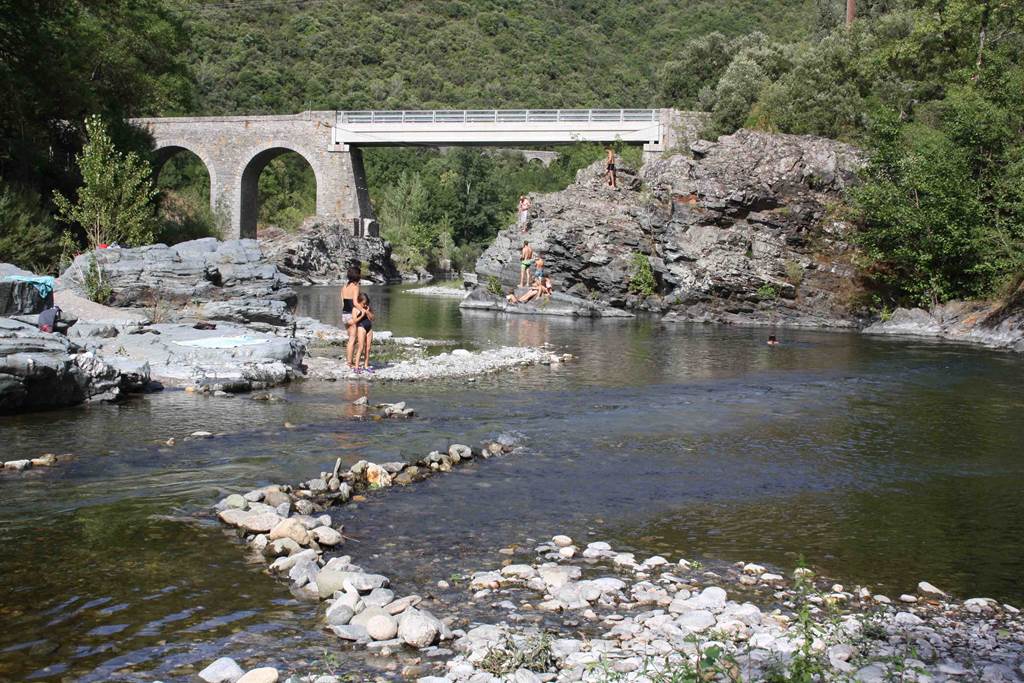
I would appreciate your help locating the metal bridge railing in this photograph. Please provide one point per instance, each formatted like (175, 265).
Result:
(463, 116)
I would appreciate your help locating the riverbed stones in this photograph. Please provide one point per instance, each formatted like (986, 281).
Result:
(555, 576)
(223, 670)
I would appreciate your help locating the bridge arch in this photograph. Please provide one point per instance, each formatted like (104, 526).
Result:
(255, 161)
(165, 149)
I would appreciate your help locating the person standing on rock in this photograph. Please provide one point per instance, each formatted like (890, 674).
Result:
(525, 261)
(524, 212)
(349, 294)
(609, 166)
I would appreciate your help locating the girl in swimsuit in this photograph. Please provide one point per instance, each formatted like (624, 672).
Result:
(349, 294)
(363, 317)
(610, 168)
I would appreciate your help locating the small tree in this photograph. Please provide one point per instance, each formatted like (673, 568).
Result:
(115, 201)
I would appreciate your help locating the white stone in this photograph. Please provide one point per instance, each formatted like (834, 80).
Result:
(223, 670)
(382, 627)
(266, 674)
(881, 599)
(561, 541)
(768, 577)
(519, 571)
(568, 552)
(926, 588)
(325, 535)
(907, 619)
(556, 576)
(753, 569)
(696, 621)
(906, 597)
(418, 629)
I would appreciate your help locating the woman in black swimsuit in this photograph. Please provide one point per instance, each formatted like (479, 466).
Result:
(349, 294)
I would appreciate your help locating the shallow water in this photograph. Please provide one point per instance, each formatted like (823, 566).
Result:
(879, 461)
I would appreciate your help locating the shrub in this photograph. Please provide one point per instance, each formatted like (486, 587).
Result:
(494, 286)
(767, 292)
(641, 276)
(95, 288)
(794, 273)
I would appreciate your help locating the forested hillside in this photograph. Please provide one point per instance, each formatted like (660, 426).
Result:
(932, 89)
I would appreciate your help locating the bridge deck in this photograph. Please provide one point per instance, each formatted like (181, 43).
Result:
(496, 126)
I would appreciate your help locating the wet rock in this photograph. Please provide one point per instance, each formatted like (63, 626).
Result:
(290, 528)
(351, 632)
(377, 476)
(339, 613)
(235, 501)
(223, 670)
(282, 546)
(47, 460)
(379, 597)
(17, 465)
(327, 536)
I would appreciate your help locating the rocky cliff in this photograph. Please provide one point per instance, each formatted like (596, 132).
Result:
(320, 253)
(742, 231)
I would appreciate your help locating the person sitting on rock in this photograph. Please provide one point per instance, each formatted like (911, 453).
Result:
(363, 317)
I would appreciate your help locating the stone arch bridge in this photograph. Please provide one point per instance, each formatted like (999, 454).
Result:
(236, 149)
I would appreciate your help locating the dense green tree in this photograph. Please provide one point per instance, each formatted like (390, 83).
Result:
(114, 204)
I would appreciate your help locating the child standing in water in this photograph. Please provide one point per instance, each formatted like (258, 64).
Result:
(363, 319)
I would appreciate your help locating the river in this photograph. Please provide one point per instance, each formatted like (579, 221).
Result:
(875, 460)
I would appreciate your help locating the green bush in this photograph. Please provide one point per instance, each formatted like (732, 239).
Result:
(494, 286)
(767, 292)
(641, 276)
(95, 287)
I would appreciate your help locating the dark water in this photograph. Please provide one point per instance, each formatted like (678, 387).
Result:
(880, 461)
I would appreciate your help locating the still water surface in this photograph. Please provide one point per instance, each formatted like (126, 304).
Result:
(879, 461)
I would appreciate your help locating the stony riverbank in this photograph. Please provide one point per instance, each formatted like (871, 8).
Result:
(567, 611)
(458, 363)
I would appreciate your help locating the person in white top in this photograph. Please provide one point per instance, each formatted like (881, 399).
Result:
(524, 212)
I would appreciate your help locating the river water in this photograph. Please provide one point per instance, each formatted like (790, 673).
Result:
(877, 461)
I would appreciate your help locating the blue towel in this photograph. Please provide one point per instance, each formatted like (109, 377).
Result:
(44, 284)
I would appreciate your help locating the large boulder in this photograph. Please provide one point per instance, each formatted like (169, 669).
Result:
(20, 298)
(739, 231)
(320, 253)
(40, 370)
(200, 271)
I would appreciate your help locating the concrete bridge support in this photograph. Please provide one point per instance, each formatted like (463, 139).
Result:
(235, 150)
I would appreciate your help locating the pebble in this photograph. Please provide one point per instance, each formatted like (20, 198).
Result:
(561, 541)
(382, 627)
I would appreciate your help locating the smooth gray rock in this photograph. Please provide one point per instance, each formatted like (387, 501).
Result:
(418, 629)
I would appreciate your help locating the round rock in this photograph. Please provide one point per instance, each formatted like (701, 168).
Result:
(382, 627)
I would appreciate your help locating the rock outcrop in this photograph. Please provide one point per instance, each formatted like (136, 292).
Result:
(234, 273)
(740, 232)
(321, 253)
(559, 304)
(20, 298)
(40, 370)
(999, 325)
